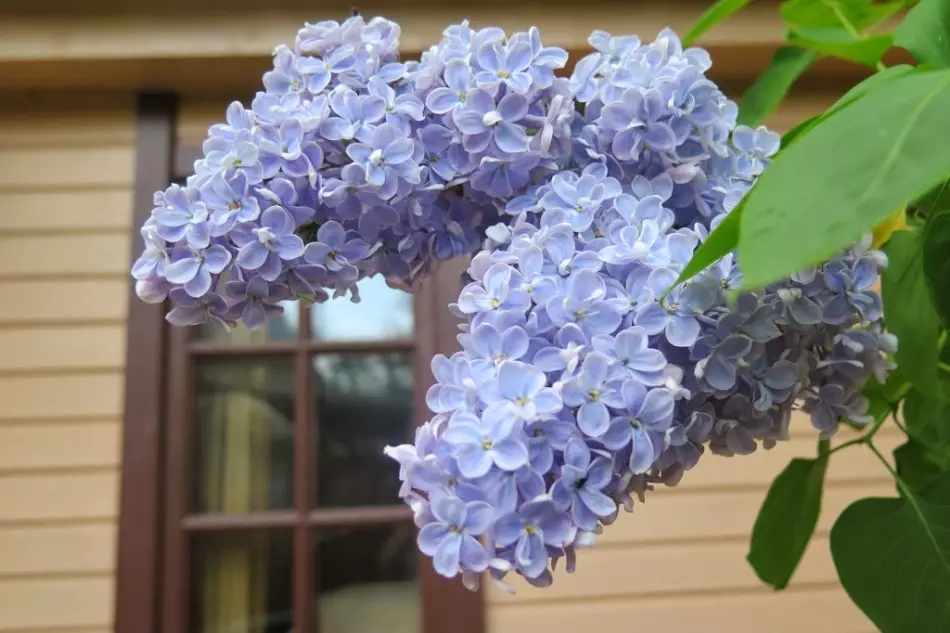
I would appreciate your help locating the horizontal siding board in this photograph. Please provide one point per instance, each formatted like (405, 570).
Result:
(77, 347)
(66, 397)
(61, 167)
(674, 567)
(760, 468)
(64, 255)
(717, 514)
(44, 211)
(818, 610)
(54, 119)
(57, 549)
(60, 496)
(54, 301)
(56, 603)
(70, 445)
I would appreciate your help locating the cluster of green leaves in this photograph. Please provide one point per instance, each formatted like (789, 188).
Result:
(882, 147)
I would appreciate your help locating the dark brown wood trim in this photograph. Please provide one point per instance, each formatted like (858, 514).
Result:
(304, 479)
(180, 404)
(139, 543)
(288, 348)
(184, 160)
(446, 604)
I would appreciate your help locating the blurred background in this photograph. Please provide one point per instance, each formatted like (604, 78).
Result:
(159, 481)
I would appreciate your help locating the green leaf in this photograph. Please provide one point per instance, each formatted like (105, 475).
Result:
(720, 243)
(837, 42)
(860, 14)
(936, 254)
(773, 83)
(845, 175)
(893, 558)
(927, 421)
(924, 32)
(874, 82)
(883, 399)
(787, 520)
(917, 466)
(909, 313)
(712, 16)
(789, 137)
(937, 199)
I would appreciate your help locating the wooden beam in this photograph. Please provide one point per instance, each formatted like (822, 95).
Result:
(250, 33)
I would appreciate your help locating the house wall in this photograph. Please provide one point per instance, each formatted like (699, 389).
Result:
(66, 165)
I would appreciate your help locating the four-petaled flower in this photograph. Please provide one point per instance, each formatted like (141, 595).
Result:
(451, 538)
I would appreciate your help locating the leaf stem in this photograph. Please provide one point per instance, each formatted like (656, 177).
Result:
(890, 469)
(857, 440)
(864, 439)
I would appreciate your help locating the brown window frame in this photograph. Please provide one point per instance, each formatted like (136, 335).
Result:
(152, 569)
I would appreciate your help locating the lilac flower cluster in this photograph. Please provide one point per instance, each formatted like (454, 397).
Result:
(586, 376)
(352, 163)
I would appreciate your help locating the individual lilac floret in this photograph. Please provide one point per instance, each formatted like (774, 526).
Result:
(480, 445)
(255, 300)
(535, 527)
(451, 538)
(643, 428)
(194, 268)
(580, 486)
(333, 251)
(268, 246)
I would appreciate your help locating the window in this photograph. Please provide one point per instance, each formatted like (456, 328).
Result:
(278, 511)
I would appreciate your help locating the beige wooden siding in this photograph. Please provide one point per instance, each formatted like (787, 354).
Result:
(66, 170)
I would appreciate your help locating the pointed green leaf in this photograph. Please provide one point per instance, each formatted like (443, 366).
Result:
(893, 559)
(909, 313)
(845, 175)
(720, 243)
(874, 82)
(773, 83)
(917, 465)
(837, 42)
(936, 259)
(712, 16)
(787, 520)
(927, 420)
(806, 14)
(925, 32)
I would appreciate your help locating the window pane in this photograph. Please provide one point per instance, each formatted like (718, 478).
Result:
(363, 403)
(243, 432)
(241, 583)
(382, 313)
(366, 580)
(280, 327)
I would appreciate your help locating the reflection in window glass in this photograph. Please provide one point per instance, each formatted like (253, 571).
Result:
(366, 580)
(243, 432)
(241, 583)
(382, 313)
(363, 403)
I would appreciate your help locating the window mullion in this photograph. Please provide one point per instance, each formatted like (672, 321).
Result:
(176, 566)
(304, 619)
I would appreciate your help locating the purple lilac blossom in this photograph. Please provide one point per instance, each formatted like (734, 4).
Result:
(584, 380)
